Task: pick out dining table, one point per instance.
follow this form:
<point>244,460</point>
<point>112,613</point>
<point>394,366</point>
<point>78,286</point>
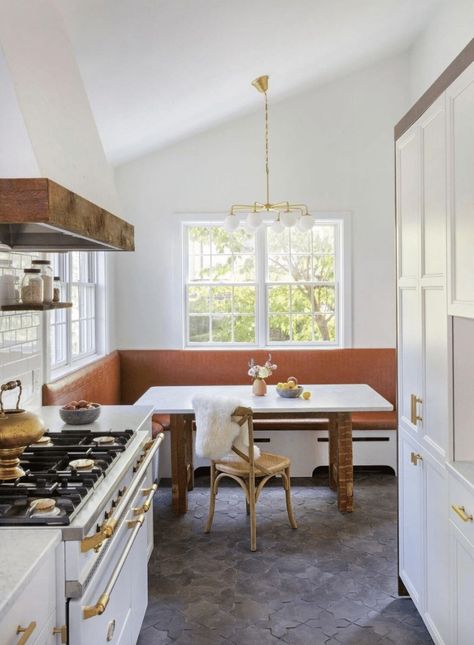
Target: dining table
<point>336,403</point>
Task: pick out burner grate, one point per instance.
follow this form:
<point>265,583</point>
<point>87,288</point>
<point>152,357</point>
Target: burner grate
<point>49,474</point>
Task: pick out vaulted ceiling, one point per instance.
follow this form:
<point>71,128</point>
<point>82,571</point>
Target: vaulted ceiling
<point>157,71</point>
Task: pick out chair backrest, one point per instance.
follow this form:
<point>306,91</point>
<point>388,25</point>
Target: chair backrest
<point>243,415</point>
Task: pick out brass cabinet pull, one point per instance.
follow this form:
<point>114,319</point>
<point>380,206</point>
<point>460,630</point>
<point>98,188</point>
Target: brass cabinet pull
<point>414,418</point>
<point>108,527</point>
<point>461,511</point>
<point>101,605</point>
<point>145,507</point>
<point>415,458</point>
<point>62,631</point>
<point>26,631</point>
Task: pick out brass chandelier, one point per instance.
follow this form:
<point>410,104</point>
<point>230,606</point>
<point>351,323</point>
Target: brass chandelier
<point>286,213</point>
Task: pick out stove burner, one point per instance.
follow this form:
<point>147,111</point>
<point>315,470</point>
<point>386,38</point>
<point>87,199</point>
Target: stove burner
<point>82,464</point>
<point>105,439</point>
<point>43,504</point>
<point>44,441</point>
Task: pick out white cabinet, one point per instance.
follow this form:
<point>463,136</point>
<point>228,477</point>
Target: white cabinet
<point>423,364</point>
<point>462,560</point>
<point>423,401</point>
<point>36,609</point>
<point>411,512</point>
<point>460,97</point>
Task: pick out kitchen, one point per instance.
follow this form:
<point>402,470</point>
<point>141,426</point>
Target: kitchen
<point>133,135</point>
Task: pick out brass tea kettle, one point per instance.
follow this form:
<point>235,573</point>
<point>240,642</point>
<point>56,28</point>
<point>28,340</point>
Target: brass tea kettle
<point>18,428</point>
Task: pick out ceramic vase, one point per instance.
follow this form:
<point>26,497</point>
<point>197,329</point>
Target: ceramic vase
<point>259,387</point>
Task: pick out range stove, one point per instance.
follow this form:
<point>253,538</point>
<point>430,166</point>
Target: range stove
<point>61,472</point>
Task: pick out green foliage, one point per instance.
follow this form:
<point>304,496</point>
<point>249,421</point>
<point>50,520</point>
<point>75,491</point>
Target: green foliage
<point>299,309</point>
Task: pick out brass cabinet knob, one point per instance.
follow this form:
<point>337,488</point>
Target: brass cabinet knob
<point>415,458</point>
<point>62,631</point>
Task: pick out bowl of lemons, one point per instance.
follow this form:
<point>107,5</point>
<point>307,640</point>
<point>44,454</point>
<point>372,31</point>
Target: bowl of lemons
<point>289,389</point>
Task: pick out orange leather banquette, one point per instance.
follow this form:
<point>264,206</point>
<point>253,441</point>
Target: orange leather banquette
<point>123,376</point>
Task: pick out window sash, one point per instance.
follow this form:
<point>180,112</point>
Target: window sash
<point>262,285</point>
<point>63,322</point>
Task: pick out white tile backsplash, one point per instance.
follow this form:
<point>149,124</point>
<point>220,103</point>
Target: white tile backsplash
<point>20,334</point>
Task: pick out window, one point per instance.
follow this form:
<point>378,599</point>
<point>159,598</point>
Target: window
<point>74,333</point>
<point>265,288</point>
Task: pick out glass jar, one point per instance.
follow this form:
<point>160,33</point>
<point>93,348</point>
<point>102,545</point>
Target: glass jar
<point>7,283</point>
<point>47,276</point>
<point>57,289</point>
<point>32,287</point>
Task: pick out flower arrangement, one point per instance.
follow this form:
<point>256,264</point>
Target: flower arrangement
<point>261,371</point>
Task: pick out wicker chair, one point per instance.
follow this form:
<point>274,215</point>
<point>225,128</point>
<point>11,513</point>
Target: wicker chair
<point>251,475</point>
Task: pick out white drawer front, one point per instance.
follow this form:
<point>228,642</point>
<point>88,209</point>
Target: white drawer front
<point>461,499</point>
<point>36,603</point>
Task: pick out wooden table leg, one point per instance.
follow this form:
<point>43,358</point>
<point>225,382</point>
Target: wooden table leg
<point>345,475</point>
<point>179,477</point>
<point>332,435</point>
<point>189,452</point>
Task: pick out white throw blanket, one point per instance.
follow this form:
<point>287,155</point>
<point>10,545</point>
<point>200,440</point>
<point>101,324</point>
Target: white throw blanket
<point>217,431</point>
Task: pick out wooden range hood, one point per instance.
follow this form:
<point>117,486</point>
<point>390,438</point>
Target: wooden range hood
<point>39,214</point>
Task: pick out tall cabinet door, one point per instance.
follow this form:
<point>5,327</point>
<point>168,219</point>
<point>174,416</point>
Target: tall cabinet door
<point>460,97</point>
<point>408,256</point>
<point>411,517</point>
<point>434,404</point>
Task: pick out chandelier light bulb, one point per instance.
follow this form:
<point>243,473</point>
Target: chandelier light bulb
<point>254,220</point>
<point>277,226</point>
<point>288,218</point>
<point>231,223</point>
<point>306,222</point>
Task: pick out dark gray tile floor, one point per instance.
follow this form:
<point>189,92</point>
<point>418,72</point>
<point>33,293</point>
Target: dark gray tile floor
<point>331,581</point>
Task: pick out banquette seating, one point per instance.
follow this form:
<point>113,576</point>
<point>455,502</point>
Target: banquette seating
<point>124,375</point>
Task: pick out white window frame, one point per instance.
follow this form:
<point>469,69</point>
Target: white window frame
<point>70,364</point>
<point>343,283</point>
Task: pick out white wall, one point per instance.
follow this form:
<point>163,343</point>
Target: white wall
<point>53,102</point>
<point>331,147</point>
<point>448,32</point>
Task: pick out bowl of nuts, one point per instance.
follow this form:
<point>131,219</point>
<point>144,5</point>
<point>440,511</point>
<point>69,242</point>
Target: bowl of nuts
<point>77,413</point>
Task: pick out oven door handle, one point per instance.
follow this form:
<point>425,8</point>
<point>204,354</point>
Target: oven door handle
<point>101,605</point>
<point>108,527</point>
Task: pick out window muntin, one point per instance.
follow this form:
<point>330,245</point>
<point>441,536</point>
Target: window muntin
<point>221,287</point>
<point>263,289</point>
<point>73,334</point>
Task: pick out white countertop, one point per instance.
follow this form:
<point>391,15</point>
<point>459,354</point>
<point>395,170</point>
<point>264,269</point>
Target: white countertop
<point>112,417</point>
<point>324,398</point>
<point>21,551</point>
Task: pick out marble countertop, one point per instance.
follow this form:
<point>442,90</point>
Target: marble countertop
<point>324,398</point>
<point>112,417</point>
<point>21,551</point>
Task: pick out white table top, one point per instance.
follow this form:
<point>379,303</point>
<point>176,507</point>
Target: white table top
<point>176,399</point>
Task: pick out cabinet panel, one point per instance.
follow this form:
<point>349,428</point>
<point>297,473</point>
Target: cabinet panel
<point>463,575</point>
<point>411,520</point>
<point>437,597</point>
<point>408,204</point>
<point>433,216</point>
<point>461,188</point>
<point>409,353</point>
<point>435,370</point>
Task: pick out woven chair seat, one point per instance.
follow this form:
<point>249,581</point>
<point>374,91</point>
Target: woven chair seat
<point>269,462</point>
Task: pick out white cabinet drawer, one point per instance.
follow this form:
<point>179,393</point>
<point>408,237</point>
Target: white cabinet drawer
<point>461,508</point>
<point>36,603</point>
